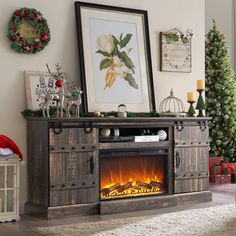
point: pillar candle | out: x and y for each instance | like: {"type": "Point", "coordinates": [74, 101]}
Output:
{"type": "Point", "coordinates": [200, 84]}
{"type": "Point", "coordinates": [191, 97]}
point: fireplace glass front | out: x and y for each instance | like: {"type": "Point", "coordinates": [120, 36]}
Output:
{"type": "Point", "coordinates": [125, 174]}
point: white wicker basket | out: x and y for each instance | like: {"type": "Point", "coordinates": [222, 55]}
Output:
{"type": "Point", "coordinates": [9, 188]}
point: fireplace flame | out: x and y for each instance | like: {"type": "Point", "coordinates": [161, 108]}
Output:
{"type": "Point", "coordinates": [121, 178]}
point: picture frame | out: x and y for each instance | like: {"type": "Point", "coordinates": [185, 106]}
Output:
{"type": "Point", "coordinates": [37, 84]}
{"type": "Point", "coordinates": [175, 50]}
{"type": "Point", "coordinates": [114, 58]}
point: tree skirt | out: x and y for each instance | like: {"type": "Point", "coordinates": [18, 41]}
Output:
{"type": "Point", "coordinates": [212, 221]}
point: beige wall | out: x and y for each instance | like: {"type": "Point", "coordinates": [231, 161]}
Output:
{"type": "Point", "coordinates": [163, 15]}
{"type": "Point", "coordinates": [223, 13]}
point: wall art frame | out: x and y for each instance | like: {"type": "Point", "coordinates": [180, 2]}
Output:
{"type": "Point", "coordinates": [115, 58]}
{"type": "Point", "coordinates": [175, 50]}
{"type": "Point", "coordinates": [37, 84]}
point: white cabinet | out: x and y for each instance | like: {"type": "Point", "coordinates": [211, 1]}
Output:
{"type": "Point", "coordinates": [9, 188]}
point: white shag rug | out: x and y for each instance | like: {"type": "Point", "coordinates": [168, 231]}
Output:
{"type": "Point", "coordinates": [212, 221]}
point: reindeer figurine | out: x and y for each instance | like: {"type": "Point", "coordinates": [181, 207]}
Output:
{"type": "Point", "coordinates": [74, 99]}
{"type": "Point", "coordinates": [59, 97]}
{"type": "Point", "coordinates": [48, 99]}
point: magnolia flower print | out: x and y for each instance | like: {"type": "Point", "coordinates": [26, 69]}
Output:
{"type": "Point", "coordinates": [115, 59]}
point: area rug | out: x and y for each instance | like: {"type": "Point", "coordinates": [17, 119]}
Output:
{"type": "Point", "coordinates": [212, 221]}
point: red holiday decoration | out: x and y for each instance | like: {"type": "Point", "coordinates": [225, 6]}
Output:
{"type": "Point", "coordinates": [22, 42]}
{"type": "Point", "coordinates": [59, 83]}
{"type": "Point", "coordinates": [6, 142]}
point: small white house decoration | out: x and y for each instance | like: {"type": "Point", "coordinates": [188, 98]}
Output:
{"type": "Point", "coordinates": [176, 51]}
{"type": "Point", "coordinates": [9, 188]}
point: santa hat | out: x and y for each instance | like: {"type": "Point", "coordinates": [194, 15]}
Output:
{"type": "Point", "coordinates": [6, 142]}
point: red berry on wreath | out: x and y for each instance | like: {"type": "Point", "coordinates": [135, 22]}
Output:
{"type": "Point", "coordinates": [32, 17]}
{"type": "Point", "coordinates": [22, 38]}
{"type": "Point", "coordinates": [13, 27]}
{"type": "Point", "coordinates": [21, 17]}
{"type": "Point", "coordinates": [36, 46]}
{"type": "Point", "coordinates": [26, 12]}
{"type": "Point", "coordinates": [17, 13]}
{"type": "Point", "coordinates": [42, 34]}
{"type": "Point", "coordinates": [13, 37]}
{"type": "Point", "coordinates": [59, 83]}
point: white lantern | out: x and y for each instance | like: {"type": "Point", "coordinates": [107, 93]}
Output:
{"type": "Point", "coordinates": [9, 188]}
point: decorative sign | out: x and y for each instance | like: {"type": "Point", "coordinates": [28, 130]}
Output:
{"type": "Point", "coordinates": [175, 51]}
{"type": "Point", "coordinates": [37, 85]}
{"type": "Point", "coordinates": [27, 31]}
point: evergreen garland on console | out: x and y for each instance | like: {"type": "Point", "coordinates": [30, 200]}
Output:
{"type": "Point", "coordinates": [220, 96]}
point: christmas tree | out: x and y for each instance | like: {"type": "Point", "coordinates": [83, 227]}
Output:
{"type": "Point", "coordinates": [220, 96]}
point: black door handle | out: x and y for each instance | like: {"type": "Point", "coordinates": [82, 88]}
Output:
{"type": "Point", "coordinates": [91, 162]}
{"type": "Point", "coordinates": [177, 158]}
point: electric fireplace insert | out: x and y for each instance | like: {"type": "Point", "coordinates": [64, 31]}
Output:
{"type": "Point", "coordinates": [133, 173]}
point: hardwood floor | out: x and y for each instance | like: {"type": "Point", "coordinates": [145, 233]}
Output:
{"type": "Point", "coordinates": [222, 194]}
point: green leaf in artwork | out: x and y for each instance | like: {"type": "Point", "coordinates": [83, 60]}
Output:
{"type": "Point", "coordinates": [131, 81]}
{"type": "Point", "coordinates": [125, 58]}
{"type": "Point", "coordinates": [121, 36]}
{"type": "Point", "coordinates": [116, 43]}
{"type": "Point", "coordinates": [115, 40]}
{"type": "Point", "coordinates": [105, 63]}
{"type": "Point", "coordinates": [125, 40]}
{"type": "Point", "coordinates": [129, 50]}
{"type": "Point", "coordinates": [106, 54]}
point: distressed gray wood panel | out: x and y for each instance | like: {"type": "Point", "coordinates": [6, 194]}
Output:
{"type": "Point", "coordinates": [191, 151]}
{"type": "Point", "coordinates": [73, 178]}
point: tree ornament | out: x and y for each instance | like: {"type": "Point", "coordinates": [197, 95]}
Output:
{"type": "Point", "coordinates": [220, 96]}
{"type": "Point", "coordinates": [59, 83]}
{"type": "Point", "coordinates": [28, 31]}
{"type": "Point", "coordinates": [74, 94]}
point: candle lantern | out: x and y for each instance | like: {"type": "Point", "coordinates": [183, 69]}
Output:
{"type": "Point", "coordinates": [172, 106]}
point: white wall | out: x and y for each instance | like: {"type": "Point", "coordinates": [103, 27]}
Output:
{"type": "Point", "coordinates": [223, 13]}
{"type": "Point", "coordinates": [163, 15]}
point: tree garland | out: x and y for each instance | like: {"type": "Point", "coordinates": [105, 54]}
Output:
{"type": "Point", "coordinates": [28, 31]}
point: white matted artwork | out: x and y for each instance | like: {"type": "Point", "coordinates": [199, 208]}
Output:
{"type": "Point", "coordinates": [175, 51]}
{"type": "Point", "coordinates": [115, 58]}
{"type": "Point", "coordinates": [37, 85]}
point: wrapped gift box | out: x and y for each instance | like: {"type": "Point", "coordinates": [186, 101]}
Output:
{"type": "Point", "coordinates": [228, 165]}
{"type": "Point", "coordinates": [214, 161]}
{"type": "Point", "coordinates": [221, 179]}
{"type": "Point", "coordinates": [227, 171]}
{"type": "Point", "coordinates": [216, 170]}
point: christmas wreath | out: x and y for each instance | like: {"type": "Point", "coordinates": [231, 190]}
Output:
{"type": "Point", "coordinates": [28, 31]}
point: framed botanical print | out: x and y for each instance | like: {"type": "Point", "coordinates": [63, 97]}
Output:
{"type": "Point", "coordinates": [115, 58]}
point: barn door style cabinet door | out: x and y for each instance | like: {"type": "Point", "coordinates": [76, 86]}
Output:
{"type": "Point", "coordinates": [73, 161]}
{"type": "Point", "coordinates": [62, 169]}
{"type": "Point", "coordinates": [191, 157]}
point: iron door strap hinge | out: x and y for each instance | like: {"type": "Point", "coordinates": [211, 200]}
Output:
{"type": "Point", "coordinates": [192, 175]}
{"type": "Point", "coordinates": [57, 128]}
{"type": "Point", "coordinates": [179, 125]}
{"type": "Point", "coordinates": [202, 125]}
{"type": "Point", "coordinates": [88, 127]}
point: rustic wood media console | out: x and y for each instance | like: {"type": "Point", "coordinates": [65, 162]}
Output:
{"type": "Point", "coordinates": [65, 159]}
